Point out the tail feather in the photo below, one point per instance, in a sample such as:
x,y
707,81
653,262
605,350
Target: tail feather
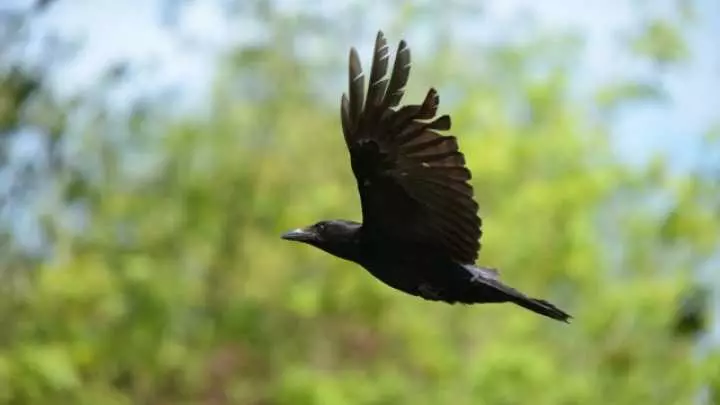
x,y
542,307
503,293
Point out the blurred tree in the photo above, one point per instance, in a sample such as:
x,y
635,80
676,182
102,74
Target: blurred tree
x,y
693,313
165,281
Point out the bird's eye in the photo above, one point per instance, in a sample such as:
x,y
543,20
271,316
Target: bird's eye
x,y
321,227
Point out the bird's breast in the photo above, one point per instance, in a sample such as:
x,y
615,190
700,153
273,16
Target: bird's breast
x,y
412,271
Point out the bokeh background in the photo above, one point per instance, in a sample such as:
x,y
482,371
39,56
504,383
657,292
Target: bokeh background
x,y
152,151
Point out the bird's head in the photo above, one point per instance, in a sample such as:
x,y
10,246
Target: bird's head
x,y
337,237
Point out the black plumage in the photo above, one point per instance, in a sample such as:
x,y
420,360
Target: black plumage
x,y
421,231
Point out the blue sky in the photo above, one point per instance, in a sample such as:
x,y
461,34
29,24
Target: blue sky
x,y
690,112
132,30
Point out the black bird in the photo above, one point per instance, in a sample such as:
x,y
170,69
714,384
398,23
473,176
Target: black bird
x,y
420,232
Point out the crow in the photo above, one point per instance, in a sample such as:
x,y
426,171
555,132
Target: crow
x,y
421,230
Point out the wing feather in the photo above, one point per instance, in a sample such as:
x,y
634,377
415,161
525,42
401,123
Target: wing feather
x,y
413,182
378,74
399,78
356,88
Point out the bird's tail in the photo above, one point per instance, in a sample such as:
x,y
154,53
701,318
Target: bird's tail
x,y
542,307
506,293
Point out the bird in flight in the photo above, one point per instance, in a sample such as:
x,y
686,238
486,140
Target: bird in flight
x,y
421,230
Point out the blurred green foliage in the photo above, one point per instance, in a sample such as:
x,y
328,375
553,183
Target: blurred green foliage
x,y
162,279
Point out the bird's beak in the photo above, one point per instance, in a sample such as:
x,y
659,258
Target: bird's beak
x,y
298,235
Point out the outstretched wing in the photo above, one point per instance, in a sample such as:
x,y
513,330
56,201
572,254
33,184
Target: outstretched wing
x,y
413,183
